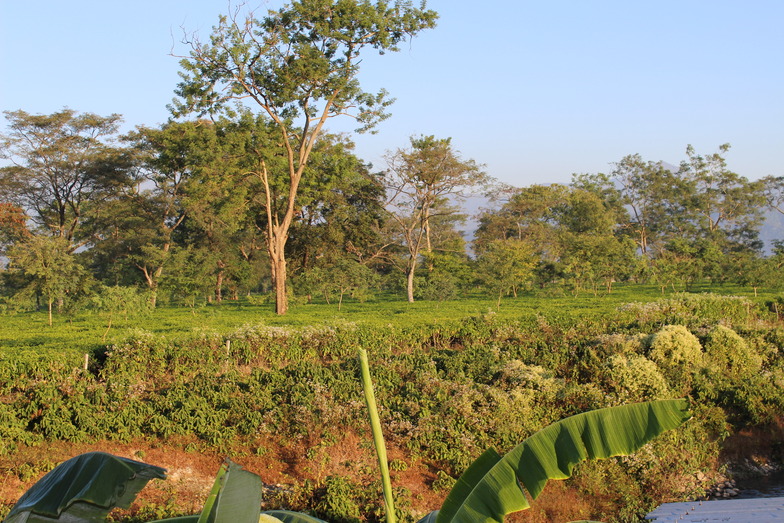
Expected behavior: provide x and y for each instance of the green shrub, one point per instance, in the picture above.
(678, 354)
(729, 354)
(443, 482)
(339, 501)
(636, 378)
(736, 379)
(693, 310)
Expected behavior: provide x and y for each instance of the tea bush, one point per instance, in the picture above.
(338, 502)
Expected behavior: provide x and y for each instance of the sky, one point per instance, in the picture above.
(534, 91)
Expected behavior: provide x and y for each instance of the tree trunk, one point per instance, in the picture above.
(219, 287)
(50, 311)
(103, 338)
(410, 284)
(278, 230)
(152, 282)
(428, 245)
(278, 266)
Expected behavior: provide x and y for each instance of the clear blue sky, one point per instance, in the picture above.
(534, 90)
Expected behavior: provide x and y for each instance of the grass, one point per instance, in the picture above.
(83, 332)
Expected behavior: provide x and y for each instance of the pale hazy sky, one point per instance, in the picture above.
(534, 90)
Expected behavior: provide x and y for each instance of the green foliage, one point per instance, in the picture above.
(737, 377)
(677, 352)
(506, 266)
(52, 267)
(300, 64)
(636, 378)
(730, 355)
(121, 301)
(675, 345)
(693, 310)
(448, 386)
(493, 486)
(424, 181)
(448, 274)
(339, 503)
(63, 165)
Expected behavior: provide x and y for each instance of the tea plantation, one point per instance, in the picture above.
(282, 395)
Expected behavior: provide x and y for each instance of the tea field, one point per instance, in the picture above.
(183, 388)
(86, 331)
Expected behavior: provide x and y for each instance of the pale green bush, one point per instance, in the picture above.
(678, 354)
(730, 355)
(636, 378)
(674, 345)
(524, 398)
(695, 310)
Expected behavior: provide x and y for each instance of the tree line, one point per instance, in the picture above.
(244, 191)
(184, 212)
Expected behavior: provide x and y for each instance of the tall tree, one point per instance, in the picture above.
(300, 66)
(591, 249)
(62, 164)
(528, 216)
(134, 230)
(423, 181)
(506, 265)
(656, 201)
(727, 207)
(341, 207)
(214, 193)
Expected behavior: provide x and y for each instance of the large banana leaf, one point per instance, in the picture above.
(235, 496)
(84, 488)
(493, 486)
(287, 516)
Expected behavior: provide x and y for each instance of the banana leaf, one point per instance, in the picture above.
(287, 516)
(84, 488)
(430, 518)
(235, 496)
(493, 486)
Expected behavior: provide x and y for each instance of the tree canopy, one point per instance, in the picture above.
(300, 66)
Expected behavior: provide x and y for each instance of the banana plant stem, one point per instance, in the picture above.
(378, 437)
